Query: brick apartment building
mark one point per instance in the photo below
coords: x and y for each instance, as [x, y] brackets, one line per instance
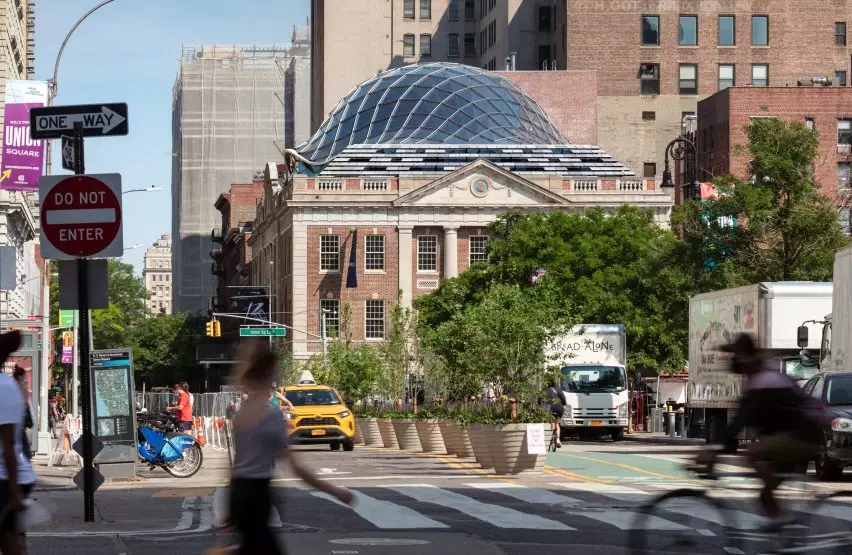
[231, 253]
[658, 59]
[408, 179]
[828, 110]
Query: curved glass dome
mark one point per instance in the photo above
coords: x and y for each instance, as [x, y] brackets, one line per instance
[437, 103]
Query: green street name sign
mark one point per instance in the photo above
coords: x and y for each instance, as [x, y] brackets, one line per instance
[263, 332]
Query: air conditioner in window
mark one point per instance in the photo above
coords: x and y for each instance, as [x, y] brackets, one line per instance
[648, 71]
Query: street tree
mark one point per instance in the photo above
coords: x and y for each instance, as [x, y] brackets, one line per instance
[772, 225]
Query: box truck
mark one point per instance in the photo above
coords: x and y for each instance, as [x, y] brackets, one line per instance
[771, 312]
[592, 359]
[835, 335]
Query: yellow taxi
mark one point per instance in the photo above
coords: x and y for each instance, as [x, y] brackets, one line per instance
[319, 415]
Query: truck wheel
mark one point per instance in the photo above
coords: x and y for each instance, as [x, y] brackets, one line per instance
[618, 435]
[826, 469]
[348, 445]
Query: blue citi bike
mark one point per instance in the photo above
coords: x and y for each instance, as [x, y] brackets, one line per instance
[160, 444]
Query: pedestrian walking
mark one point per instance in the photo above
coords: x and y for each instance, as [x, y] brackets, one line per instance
[20, 376]
[16, 473]
[260, 438]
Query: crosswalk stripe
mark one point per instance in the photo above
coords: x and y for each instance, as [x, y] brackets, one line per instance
[613, 491]
[703, 511]
[496, 515]
[627, 520]
[274, 516]
[527, 494]
[829, 510]
[384, 514]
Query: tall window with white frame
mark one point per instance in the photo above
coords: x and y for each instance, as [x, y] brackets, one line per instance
[330, 253]
[374, 253]
[477, 249]
[427, 253]
[330, 308]
[374, 319]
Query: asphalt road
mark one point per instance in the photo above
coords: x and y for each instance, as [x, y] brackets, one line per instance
[411, 504]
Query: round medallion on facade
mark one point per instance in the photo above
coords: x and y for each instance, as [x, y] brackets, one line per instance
[480, 186]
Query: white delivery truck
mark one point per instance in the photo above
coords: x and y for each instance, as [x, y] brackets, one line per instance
[592, 359]
[769, 311]
[835, 337]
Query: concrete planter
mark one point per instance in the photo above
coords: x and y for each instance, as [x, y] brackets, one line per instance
[450, 435]
[508, 448]
[457, 439]
[406, 435]
[369, 431]
[431, 438]
[387, 433]
[479, 442]
[358, 438]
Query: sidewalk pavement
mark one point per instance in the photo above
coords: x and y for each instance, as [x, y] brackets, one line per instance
[662, 439]
[214, 471]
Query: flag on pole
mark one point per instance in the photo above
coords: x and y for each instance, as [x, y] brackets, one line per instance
[352, 271]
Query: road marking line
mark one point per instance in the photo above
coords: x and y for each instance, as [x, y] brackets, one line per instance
[274, 516]
[741, 520]
[496, 515]
[619, 465]
[733, 550]
[626, 520]
[612, 491]
[374, 478]
[206, 517]
[186, 516]
[556, 471]
[527, 494]
[706, 532]
[384, 514]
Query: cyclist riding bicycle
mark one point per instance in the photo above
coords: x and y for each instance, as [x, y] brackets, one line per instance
[558, 402]
[788, 422]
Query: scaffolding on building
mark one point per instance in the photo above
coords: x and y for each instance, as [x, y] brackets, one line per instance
[229, 119]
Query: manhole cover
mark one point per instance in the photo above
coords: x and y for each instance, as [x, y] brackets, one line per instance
[378, 541]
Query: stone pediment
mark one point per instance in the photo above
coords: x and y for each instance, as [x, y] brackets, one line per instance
[481, 184]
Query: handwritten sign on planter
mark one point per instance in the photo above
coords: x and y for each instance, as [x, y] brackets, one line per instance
[535, 440]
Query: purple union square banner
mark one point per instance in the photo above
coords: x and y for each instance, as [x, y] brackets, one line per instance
[23, 158]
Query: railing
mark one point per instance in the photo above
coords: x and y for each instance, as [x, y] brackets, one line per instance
[330, 185]
[374, 185]
[204, 404]
[631, 185]
[584, 185]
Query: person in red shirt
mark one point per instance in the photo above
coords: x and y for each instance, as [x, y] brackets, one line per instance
[183, 408]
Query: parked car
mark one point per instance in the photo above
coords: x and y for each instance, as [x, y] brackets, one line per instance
[834, 389]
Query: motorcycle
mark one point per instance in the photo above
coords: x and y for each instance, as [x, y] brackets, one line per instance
[161, 445]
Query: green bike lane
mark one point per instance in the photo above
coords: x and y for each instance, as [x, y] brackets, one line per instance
[606, 466]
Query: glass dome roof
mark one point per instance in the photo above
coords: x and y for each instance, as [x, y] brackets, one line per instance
[435, 103]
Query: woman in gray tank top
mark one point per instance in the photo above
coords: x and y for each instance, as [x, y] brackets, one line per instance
[260, 438]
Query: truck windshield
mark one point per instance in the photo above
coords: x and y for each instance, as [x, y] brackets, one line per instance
[593, 379]
[795, 369]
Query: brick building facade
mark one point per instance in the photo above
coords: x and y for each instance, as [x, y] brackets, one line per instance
[410, 232]
[231, 253]
[828, 110]
[658, 59]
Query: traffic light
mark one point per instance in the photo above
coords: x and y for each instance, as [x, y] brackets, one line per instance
[217, 328]
[210, 328]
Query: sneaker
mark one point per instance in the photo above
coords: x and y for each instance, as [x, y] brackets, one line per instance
[558, 444]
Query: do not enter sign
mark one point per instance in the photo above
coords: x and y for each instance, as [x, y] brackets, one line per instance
[81, 216]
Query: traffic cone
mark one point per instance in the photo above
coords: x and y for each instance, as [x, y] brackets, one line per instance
[200, 435]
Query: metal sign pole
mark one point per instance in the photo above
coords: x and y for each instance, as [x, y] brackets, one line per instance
[85, 356]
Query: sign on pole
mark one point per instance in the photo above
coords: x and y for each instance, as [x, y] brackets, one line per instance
[66, 318]
[81, 216]
[23, 155]
[68, 153]
[263, 332]
[67, 347]
[98, 120]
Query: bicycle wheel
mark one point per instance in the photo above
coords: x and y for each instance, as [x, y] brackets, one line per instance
[825, 531]
[188, 465]
[680, 521]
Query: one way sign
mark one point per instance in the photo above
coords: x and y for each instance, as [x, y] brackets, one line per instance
[99, 120]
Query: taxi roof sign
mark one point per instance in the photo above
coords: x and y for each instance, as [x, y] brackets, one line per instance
[306, 378]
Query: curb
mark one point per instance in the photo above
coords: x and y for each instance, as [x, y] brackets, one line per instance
[69, 487]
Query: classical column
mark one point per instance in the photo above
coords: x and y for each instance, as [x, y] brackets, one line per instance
[404, 259]
[451, 251]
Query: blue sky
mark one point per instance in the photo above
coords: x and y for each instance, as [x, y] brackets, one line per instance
[128, 52]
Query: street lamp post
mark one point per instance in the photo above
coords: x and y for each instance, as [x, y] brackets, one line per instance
[683, 149]
[150, 189]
